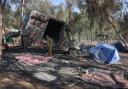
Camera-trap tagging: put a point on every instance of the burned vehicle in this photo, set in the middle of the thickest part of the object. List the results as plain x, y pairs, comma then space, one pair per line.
38, 27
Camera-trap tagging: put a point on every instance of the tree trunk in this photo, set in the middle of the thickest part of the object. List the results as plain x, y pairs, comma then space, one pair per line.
1, 28
120, 36
112, 22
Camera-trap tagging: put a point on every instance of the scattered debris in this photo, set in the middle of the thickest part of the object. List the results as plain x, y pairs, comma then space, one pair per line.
44, 76
68, 71
45, 69
101, 77
85, 48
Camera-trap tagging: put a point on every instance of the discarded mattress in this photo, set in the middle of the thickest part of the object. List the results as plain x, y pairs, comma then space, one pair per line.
105, 53
99, 77
32, 59
44, 76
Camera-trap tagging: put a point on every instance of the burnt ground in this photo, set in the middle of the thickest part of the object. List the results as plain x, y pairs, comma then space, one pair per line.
16, 75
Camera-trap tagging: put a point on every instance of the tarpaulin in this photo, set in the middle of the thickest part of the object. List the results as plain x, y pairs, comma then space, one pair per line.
105, 53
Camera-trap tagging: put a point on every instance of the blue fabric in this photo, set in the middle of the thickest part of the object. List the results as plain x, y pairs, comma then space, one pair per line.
105, 53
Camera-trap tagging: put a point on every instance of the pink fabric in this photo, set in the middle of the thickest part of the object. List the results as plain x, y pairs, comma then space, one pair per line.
100, 77
32, 59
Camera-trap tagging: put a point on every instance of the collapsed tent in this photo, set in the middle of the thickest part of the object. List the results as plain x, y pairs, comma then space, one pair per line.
105, 53
38, 27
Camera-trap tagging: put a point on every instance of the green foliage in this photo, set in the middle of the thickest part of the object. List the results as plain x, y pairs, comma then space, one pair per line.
7, 18
124, 26
92, 19
99, 14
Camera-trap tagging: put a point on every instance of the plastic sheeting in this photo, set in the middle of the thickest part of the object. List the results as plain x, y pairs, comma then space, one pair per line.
105, 53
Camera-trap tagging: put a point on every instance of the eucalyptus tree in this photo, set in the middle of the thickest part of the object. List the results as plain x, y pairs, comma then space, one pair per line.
124, 20
70, 5
124, 26
103, 11
43, 6
2, 5
60, 13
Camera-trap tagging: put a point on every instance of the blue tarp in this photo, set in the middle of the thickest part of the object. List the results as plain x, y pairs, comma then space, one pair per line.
105, 53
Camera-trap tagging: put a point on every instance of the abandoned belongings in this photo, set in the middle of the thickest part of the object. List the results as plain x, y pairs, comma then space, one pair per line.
120, 47
68, 71
105, 78
105, 53
32, 59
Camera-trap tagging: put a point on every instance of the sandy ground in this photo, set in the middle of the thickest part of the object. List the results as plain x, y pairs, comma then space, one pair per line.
11, 80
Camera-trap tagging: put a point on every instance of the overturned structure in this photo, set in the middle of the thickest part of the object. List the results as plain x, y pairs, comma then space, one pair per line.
37, 27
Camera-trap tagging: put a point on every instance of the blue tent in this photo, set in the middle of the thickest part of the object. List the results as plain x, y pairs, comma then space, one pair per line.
105, 53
